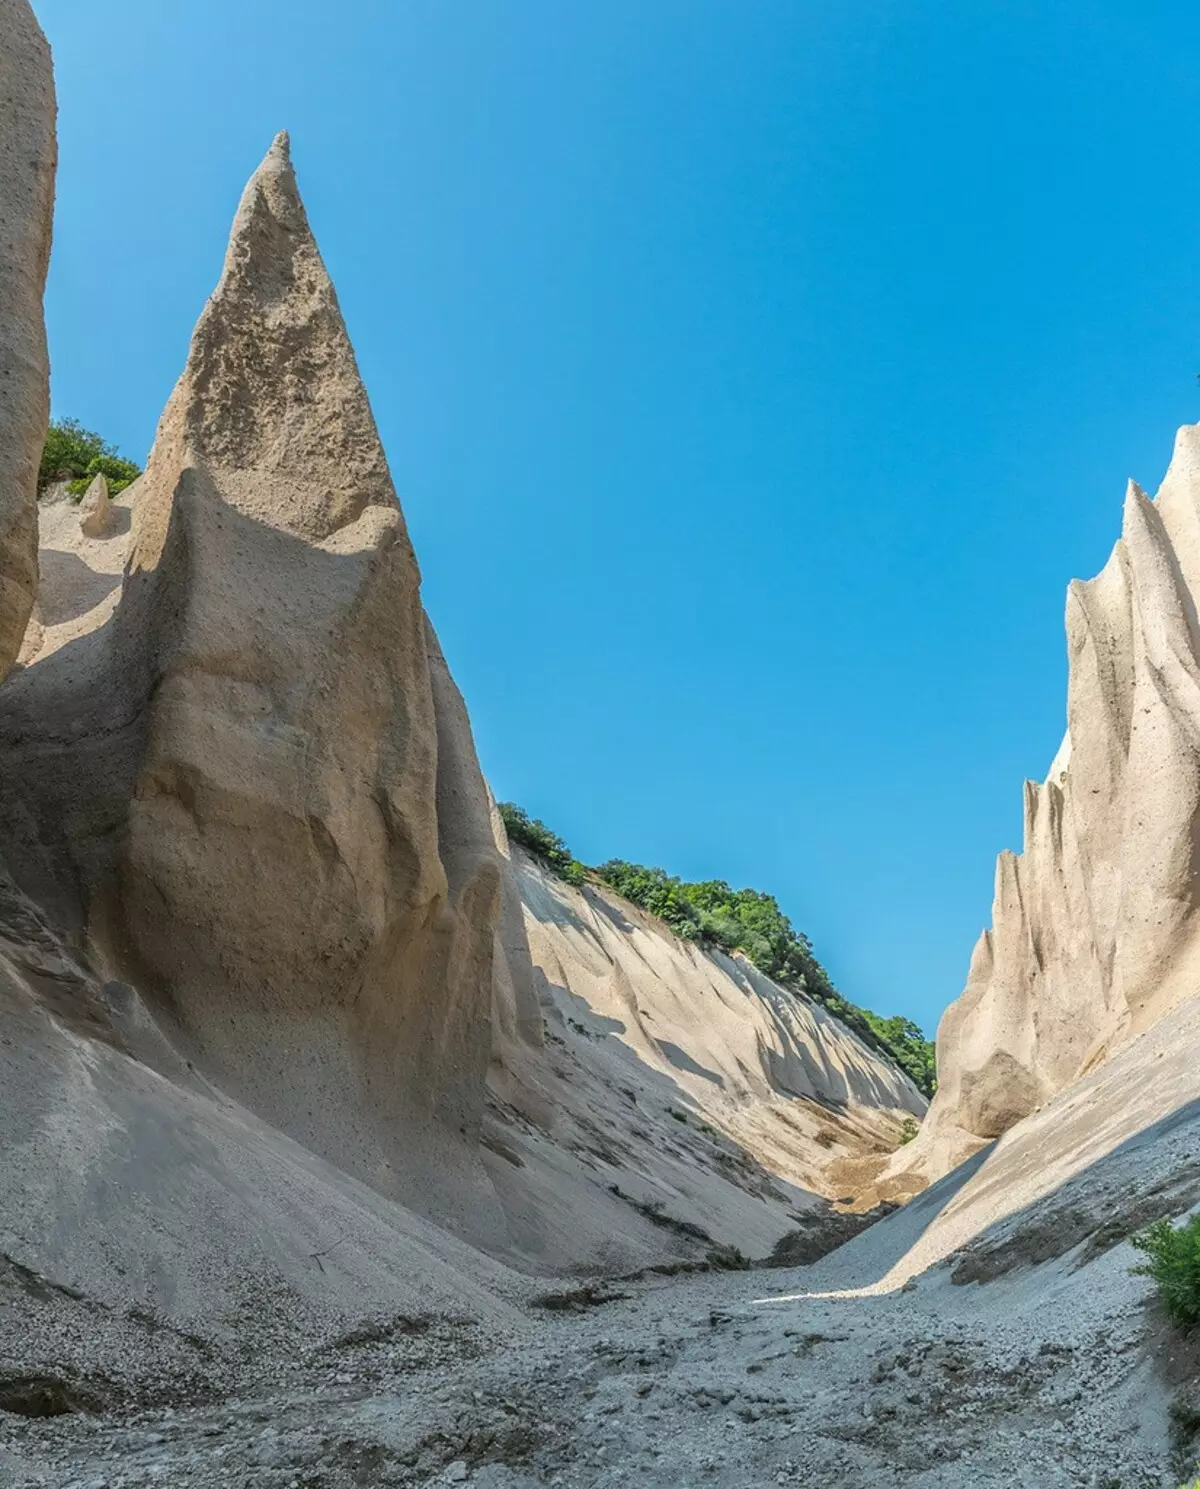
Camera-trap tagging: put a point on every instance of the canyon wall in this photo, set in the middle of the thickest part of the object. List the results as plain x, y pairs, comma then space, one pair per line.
636, 1074
28, 158
248, 850
1095, 932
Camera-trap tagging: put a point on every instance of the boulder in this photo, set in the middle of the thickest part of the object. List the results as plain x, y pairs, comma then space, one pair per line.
28, 157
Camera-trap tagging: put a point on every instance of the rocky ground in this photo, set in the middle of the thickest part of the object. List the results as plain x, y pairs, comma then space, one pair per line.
737, 1379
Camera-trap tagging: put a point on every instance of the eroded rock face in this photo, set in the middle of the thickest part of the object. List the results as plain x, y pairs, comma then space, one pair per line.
1095, 930
285, 842
28, 157
240, 783
649, 1095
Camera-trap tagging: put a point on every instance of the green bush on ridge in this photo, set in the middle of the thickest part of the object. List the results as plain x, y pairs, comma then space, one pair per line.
745, 920
547, 845
78, 455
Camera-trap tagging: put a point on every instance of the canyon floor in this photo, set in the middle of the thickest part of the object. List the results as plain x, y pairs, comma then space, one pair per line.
991, 1332
1050, 1376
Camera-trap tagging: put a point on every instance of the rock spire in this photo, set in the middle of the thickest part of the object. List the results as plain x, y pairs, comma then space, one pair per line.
1096, 924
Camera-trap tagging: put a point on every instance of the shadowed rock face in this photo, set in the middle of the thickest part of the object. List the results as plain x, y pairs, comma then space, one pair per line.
1095, 931
28, 157
284, 841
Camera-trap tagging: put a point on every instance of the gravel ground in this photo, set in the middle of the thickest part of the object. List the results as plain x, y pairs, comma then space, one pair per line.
731, 1380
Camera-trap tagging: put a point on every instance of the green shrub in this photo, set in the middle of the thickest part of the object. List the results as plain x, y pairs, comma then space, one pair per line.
910, 1049
1173, 1262
544, 844
77, 455
908, 1130
656, 892
725, 1258
119, 474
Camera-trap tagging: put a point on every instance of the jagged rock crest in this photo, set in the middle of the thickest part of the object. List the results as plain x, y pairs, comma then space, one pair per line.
1095, 925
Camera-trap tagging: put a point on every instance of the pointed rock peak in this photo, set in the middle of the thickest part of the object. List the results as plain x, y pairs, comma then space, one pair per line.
1061, 762
1136, 502
1180, 489
271, 194
95, 510
271, 385
1187, 445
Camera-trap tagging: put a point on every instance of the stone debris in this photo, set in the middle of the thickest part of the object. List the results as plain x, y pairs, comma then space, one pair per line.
923, 1390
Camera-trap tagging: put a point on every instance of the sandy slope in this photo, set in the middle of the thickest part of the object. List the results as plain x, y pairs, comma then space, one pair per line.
683, 1077
223, 1309
136, 1187
79, 579
989, 1334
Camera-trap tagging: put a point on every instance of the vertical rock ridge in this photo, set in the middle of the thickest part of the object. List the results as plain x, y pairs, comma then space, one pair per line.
28, 160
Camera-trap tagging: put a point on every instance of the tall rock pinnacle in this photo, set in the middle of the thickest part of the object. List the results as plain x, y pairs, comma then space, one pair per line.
290, 851
1096, 924
28, 157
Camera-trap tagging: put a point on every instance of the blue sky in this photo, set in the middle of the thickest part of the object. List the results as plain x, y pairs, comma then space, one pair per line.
754, 378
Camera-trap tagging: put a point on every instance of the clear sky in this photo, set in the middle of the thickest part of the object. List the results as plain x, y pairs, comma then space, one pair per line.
754, 373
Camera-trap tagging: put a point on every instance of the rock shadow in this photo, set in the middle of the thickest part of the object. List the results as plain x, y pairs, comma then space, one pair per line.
683, 1061
68, 587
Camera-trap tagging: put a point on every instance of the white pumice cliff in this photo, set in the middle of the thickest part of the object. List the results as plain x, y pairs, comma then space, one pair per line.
663, 1077
344, 1144
244, 789
1095, 930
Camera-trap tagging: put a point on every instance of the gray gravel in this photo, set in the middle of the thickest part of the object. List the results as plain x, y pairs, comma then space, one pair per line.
1044, 1380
